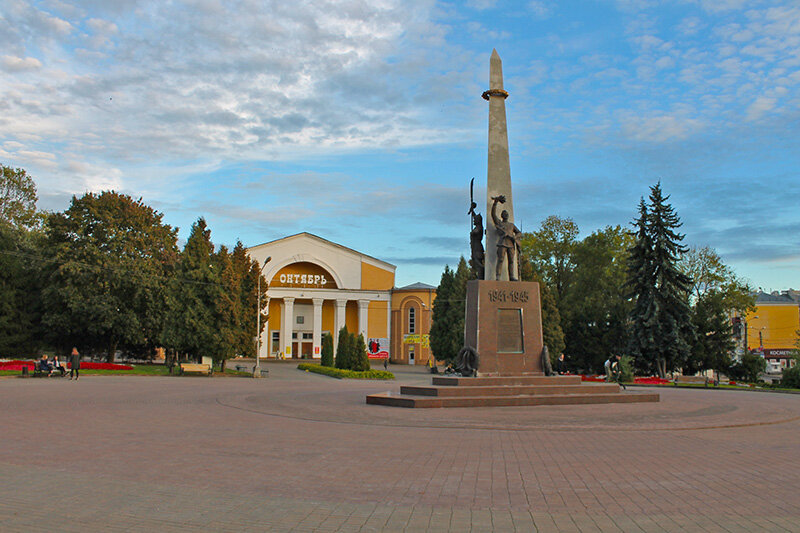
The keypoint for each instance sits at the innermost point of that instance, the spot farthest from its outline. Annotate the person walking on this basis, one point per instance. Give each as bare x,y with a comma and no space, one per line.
75,363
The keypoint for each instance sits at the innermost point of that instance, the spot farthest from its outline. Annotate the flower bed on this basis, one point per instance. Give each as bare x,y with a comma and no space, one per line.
17,365
651,381
599,378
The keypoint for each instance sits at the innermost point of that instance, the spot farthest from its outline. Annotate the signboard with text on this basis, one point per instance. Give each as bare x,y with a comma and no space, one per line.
378,348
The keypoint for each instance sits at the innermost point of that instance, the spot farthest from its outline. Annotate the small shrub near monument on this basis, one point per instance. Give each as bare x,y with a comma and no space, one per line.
326,358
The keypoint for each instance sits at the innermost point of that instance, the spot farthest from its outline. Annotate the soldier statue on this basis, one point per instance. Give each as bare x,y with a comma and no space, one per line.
508,243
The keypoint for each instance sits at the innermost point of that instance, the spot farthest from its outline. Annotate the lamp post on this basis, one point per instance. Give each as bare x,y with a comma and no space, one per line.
257,367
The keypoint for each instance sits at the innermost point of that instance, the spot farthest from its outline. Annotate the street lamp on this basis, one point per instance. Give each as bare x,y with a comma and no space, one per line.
257,367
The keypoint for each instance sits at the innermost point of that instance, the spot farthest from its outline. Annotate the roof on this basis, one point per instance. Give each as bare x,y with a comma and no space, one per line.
785,297
418,286
306,234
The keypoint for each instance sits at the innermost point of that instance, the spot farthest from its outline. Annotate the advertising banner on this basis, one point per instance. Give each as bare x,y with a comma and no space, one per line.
378,348
414,338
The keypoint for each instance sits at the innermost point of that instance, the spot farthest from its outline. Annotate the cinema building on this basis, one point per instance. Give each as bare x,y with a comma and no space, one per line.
317,286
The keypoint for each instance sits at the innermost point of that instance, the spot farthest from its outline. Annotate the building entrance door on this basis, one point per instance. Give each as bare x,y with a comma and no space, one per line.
411,355
294,351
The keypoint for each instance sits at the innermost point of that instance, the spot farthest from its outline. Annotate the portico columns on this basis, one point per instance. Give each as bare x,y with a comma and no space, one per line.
341,306
287,326
363,315
316,351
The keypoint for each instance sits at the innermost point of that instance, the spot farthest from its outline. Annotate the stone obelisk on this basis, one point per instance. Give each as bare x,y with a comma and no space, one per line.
498,177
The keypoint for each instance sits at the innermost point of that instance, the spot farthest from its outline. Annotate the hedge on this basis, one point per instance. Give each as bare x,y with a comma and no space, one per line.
339,373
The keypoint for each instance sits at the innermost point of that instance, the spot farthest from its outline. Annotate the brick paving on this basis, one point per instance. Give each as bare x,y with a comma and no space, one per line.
302,452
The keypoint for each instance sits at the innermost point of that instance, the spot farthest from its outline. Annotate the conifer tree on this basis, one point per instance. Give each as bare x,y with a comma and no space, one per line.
343,349
326,359
552,334
227,306
661,327
360,356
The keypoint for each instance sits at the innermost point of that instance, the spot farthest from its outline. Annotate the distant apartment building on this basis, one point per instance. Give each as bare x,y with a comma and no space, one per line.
772,329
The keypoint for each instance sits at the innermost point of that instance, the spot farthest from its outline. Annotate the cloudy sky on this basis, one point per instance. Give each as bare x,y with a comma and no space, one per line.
362,121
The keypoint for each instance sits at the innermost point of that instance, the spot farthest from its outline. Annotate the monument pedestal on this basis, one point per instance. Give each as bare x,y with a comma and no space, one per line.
504,324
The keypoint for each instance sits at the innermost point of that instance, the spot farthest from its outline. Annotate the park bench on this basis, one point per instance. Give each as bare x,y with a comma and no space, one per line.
241,368
695,380
39,373
195,368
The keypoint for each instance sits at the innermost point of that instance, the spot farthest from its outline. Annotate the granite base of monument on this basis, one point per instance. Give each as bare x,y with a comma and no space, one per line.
504,324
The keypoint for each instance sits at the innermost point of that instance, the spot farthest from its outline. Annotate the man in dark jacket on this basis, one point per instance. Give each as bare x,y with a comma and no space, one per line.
75,363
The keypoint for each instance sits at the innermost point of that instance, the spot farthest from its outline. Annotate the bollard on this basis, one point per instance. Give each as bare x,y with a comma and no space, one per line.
24,371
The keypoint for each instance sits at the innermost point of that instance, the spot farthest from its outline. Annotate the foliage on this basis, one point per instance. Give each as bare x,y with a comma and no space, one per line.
594,308
447,323
626,369
247,271
749,368
108,279
713,341
340,373
18,199
661,330
550,251
710,275
360,357
791,374
326,358
344,348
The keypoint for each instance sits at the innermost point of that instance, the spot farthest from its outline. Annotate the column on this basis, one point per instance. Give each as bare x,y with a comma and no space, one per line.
287,326
389,325
317,350
363,317
341,305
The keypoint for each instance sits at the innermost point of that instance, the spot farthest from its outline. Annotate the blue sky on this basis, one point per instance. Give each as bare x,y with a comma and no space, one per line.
362,122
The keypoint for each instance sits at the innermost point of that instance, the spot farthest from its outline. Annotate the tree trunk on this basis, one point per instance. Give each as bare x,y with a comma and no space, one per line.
112,351
222,366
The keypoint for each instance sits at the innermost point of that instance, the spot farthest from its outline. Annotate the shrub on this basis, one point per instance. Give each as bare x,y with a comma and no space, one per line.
791,375
360,358
626,368
340,374
749,368
343,349
326,358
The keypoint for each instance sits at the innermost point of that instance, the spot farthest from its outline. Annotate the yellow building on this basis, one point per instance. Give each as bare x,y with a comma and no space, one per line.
772,328
412,308
316,287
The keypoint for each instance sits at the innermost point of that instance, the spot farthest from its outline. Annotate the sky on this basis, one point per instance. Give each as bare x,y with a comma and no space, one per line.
362,121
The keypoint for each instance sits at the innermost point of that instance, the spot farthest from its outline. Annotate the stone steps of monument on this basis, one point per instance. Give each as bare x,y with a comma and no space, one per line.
457,381
397,400
510,390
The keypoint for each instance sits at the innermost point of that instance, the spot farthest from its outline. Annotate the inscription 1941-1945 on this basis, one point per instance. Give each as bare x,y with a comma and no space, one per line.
501,295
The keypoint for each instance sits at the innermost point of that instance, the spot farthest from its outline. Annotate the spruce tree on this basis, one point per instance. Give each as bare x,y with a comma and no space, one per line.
326,358
440,332
661,327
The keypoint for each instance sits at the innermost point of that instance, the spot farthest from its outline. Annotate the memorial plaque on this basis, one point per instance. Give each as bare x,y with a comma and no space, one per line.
509,331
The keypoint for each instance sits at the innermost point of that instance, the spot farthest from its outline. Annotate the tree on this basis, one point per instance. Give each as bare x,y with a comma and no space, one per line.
227,313
360,360
595,308
550,250
107,282
194,291
790,377
447,323
326,358
661,330
749,368
710,274
247,271
343,350
18,199
713,340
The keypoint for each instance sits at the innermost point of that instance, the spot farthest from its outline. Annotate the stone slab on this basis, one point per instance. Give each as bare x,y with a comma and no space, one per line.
510,390
395,400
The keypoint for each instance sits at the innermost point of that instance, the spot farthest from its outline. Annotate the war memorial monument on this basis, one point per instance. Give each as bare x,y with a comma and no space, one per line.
504,360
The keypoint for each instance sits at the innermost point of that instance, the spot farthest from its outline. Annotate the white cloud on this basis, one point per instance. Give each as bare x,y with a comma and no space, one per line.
19,64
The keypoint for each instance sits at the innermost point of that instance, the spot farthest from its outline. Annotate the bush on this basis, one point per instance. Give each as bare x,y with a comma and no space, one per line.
340,374
749,368
791,375
327,350
343,349
360,358
626,369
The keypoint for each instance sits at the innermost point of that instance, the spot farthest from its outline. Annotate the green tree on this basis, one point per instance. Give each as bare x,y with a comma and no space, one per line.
550,251
107,281
247,271
790,377
343,350
595,308
749,368
18,199
709,274
713,342
447,322
326,358
227,314
194,291
360,355
661,330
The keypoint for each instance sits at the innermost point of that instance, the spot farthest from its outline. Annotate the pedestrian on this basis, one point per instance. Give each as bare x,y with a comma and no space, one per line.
386,363
75,363
562,365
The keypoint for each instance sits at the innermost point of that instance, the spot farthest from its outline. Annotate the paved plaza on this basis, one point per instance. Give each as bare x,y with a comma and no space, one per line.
303,452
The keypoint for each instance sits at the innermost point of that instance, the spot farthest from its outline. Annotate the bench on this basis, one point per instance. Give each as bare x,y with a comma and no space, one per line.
195,368
241,368
39,373
694,380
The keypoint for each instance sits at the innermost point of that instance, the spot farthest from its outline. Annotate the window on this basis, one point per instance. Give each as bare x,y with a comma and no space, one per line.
308,336
412,319
301,319
276,341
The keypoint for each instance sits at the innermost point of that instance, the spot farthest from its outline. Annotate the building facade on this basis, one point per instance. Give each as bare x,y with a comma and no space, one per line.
412,309
772,329
316,287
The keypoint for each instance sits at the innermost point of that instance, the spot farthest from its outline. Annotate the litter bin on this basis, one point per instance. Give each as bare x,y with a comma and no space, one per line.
25,371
